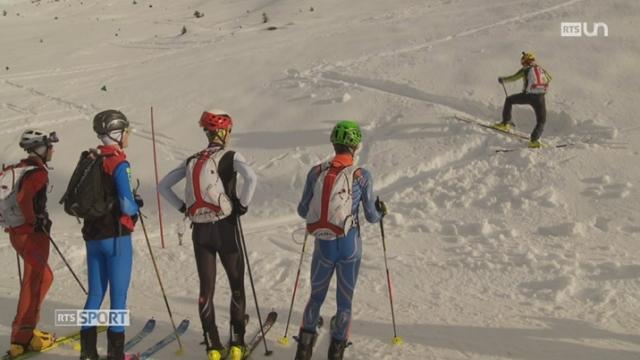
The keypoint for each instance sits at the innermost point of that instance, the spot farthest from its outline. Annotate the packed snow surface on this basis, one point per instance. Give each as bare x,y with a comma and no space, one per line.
528,254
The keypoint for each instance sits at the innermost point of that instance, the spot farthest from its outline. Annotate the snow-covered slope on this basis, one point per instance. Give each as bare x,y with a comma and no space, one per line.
518,255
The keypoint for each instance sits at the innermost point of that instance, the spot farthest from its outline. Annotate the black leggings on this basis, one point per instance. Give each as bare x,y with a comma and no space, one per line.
539,107
220,238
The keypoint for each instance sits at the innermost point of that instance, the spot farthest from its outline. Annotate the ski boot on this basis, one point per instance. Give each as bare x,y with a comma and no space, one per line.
336,349
506,127
115,345
237,352
16,350
215,350
535,144
88,339
306,342
214,354
40,340
238,348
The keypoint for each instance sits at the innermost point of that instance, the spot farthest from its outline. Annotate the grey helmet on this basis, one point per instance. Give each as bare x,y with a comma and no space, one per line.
109,120
32,139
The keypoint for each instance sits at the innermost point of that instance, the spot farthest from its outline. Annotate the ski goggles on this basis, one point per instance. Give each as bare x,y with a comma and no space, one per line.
50,139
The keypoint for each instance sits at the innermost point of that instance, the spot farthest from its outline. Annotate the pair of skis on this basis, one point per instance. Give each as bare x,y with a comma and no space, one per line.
148,328
181,329
143,333
514,134
68,339
155,348
257,337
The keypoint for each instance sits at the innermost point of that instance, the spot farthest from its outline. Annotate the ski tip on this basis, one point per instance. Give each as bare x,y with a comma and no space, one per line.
397,340
284,341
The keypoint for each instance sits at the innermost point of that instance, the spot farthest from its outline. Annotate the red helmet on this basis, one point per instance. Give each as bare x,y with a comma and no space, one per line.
216,120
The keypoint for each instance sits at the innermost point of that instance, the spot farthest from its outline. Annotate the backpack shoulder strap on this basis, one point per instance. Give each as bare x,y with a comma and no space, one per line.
193,157
324,166
226,161
29,169
202,153
225,165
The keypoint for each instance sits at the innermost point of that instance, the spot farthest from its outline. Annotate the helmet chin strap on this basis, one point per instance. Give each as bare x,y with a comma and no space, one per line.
117,141
353,150
43,158
213,136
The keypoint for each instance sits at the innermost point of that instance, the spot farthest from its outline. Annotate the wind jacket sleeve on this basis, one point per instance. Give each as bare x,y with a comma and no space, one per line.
168,181
307,194
250,179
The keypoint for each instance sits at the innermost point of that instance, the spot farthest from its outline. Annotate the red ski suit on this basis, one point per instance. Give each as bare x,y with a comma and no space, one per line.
33,247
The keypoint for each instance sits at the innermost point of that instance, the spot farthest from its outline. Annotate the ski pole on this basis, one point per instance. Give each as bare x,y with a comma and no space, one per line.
19,268
155,165
164,294
285,340
267,352
505,89
397,340
66,263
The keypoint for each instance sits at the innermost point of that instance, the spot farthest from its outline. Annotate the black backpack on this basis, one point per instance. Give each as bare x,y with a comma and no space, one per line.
91,192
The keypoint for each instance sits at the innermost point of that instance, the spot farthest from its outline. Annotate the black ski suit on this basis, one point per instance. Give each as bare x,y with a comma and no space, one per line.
536,101
221,238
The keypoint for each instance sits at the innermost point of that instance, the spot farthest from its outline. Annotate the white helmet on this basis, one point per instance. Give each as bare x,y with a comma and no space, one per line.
32,139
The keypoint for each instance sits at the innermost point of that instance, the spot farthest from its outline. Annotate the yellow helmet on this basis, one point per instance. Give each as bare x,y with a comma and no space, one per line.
527,58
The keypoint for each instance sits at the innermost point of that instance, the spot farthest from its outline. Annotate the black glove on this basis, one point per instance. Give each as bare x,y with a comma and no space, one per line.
500,80
239,208
381,207
183,208
43,224
138,199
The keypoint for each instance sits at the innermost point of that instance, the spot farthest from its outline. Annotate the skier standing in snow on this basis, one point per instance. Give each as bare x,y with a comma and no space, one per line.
213,206
108,237
27,221
330,203
536,81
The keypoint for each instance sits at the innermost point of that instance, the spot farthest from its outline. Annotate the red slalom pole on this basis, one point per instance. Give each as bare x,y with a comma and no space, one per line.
155,165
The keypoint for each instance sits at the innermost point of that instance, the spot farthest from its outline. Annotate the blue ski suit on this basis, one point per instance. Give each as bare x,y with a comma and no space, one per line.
342,254
109,259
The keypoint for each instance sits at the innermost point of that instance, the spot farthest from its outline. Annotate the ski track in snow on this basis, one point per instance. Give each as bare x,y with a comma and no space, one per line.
428,44
166,143
87,110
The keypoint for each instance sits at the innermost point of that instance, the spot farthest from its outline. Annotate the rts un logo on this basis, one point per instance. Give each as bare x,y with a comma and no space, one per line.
579,29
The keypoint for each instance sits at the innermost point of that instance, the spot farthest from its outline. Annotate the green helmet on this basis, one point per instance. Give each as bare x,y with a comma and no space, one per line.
346,132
